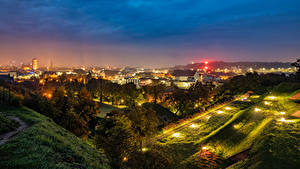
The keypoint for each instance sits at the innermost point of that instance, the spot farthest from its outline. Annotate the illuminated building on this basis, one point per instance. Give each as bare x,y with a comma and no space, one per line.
34,64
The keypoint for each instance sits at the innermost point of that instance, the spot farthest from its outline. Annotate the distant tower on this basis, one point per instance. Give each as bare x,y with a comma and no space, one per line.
34,64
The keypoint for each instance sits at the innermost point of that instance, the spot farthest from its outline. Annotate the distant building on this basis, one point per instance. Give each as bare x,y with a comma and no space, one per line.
6,78
26,67
133,80
10,74
183,84
34,64
186,75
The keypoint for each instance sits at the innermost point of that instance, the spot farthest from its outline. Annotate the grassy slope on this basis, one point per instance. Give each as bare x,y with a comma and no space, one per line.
7,125
106,108
191,139
46,145
241,133
228,136
278,146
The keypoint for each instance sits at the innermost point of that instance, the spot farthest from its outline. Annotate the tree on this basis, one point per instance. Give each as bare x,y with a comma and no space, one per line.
115,136
144,123
130,94
86,108
155,90
297,66
200,93
181,101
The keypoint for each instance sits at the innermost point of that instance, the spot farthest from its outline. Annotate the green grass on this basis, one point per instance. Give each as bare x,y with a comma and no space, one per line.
188,145
46,145
277,147
106,108
7,125
227,134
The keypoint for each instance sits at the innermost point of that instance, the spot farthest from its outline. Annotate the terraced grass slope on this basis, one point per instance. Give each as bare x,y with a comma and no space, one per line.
46,145
221,134
188,142
278,146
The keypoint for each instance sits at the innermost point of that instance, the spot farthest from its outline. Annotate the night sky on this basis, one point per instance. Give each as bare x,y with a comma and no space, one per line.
148,33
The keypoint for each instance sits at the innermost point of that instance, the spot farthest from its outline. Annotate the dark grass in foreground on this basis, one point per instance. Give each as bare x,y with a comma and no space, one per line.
46,145
7,125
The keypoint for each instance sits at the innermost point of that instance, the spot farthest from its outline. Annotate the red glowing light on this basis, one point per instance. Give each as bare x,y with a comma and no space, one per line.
205,67
206,62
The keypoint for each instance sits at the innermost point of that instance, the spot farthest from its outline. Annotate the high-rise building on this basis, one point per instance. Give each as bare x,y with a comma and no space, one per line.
34,64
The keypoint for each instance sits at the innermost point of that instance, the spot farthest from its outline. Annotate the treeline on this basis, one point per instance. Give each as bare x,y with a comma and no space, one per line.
76,113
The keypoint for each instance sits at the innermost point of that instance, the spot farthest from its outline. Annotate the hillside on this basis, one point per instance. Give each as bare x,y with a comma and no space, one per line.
44,144
261,130
278,146
163,114
7,124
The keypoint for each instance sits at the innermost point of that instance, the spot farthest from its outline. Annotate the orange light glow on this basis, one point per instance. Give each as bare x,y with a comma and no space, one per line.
124,159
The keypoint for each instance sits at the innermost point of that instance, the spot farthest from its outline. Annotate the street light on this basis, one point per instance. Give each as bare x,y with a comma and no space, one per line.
282,113
193,126
220,112
176,135
257,109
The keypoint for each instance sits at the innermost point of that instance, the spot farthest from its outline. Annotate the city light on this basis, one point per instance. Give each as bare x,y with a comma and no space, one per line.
208,117
228,108
204,148
206,62
124,159
267,103
47,95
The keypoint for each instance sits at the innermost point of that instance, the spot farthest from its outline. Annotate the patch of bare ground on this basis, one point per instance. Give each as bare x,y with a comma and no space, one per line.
7,136
297,114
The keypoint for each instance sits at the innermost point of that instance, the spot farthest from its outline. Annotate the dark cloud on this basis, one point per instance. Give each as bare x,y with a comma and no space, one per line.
156,24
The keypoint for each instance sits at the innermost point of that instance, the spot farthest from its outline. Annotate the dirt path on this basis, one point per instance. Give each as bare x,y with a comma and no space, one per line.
7,136
295,97
297,114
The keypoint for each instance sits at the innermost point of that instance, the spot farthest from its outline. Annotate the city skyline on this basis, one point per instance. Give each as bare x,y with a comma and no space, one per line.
148,33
